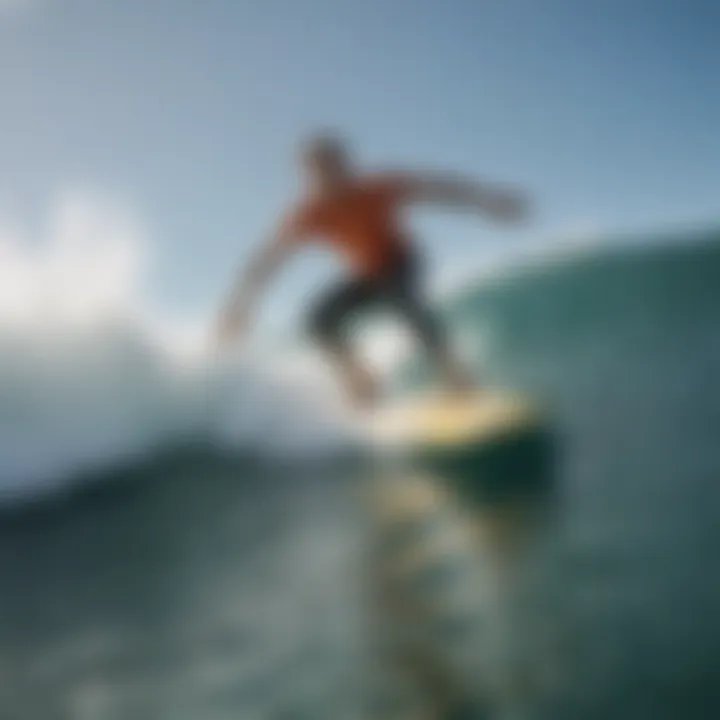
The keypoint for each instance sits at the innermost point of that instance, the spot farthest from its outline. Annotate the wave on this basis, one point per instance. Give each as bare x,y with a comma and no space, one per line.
83,395
581,299
90,396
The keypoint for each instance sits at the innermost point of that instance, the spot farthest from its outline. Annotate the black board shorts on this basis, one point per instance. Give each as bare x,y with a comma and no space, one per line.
399,290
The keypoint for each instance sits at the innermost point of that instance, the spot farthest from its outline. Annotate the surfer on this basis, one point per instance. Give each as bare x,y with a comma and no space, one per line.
359,215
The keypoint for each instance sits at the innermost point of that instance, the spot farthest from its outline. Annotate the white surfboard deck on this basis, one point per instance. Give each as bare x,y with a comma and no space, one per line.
444,420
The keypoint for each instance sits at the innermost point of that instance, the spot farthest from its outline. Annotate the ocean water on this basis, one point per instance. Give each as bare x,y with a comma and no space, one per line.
148,576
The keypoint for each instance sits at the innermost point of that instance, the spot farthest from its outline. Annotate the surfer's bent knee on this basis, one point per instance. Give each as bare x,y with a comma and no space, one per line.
429,328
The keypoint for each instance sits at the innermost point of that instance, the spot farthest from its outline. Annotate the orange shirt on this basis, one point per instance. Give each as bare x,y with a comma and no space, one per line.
361,220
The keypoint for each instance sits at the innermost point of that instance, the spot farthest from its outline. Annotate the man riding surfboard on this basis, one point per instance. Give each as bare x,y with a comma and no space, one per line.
359,215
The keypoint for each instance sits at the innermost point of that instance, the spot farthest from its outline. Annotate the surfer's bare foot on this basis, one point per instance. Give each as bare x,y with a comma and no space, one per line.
364,393
458,380
462,390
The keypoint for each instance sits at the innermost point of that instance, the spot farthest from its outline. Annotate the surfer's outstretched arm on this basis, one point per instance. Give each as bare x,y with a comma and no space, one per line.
496,202
249,284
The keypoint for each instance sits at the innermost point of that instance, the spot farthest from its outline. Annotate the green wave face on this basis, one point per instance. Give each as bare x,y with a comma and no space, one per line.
533,325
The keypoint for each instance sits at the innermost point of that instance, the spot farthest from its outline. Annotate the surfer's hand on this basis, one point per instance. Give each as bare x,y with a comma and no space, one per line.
506,206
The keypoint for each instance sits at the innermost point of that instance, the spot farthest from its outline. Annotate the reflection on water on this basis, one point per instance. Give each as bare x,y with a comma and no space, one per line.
455,596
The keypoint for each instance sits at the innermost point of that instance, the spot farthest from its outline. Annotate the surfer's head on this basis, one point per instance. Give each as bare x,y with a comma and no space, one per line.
326,161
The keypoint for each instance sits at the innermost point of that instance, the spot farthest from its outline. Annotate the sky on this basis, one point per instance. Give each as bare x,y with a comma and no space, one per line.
183,115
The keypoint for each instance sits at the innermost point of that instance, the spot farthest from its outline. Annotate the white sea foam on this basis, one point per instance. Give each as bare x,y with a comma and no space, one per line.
90,374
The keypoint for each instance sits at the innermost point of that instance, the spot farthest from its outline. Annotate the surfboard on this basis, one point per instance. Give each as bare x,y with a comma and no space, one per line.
486,439
452,420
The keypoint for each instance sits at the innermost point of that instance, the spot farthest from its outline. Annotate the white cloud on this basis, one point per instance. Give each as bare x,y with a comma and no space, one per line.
89,263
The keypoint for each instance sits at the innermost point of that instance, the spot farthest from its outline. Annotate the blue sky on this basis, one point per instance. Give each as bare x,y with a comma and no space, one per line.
606,111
